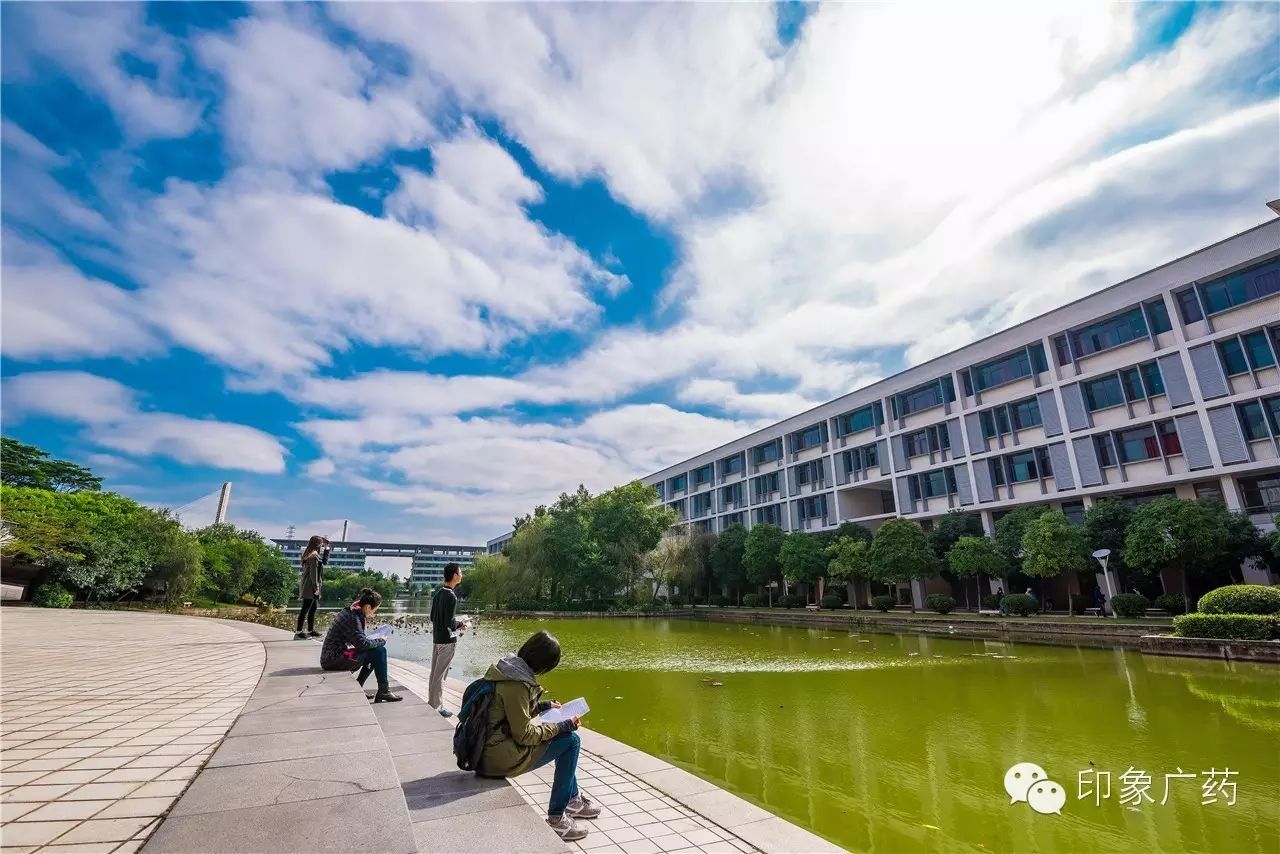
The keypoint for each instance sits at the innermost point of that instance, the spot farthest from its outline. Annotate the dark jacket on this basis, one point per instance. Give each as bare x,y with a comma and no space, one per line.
346,630
312,575
515,740
444,602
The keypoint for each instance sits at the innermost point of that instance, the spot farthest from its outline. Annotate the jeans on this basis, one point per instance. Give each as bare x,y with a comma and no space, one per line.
564,750
375,657
307,612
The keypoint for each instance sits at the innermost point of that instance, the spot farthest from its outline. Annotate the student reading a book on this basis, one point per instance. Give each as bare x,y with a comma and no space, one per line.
346,647
518,742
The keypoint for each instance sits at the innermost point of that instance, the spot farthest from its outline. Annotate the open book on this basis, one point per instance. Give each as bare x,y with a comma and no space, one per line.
572,709
383,632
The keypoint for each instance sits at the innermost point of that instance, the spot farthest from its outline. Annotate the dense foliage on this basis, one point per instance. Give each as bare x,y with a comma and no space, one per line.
941,602
1130,604
1019,603
1228,626
1241,599
26,465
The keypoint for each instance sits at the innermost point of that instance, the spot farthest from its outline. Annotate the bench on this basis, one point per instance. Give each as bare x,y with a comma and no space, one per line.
1093,612
989,612
811,607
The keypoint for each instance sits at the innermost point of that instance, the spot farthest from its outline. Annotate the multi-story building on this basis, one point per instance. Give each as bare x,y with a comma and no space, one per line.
498,543
1164,384
428,560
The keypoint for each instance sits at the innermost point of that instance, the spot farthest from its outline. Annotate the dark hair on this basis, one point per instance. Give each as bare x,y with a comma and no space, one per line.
451,571
541,652
313,545
369,596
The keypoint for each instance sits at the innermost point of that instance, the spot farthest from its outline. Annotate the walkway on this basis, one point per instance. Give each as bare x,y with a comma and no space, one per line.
105,717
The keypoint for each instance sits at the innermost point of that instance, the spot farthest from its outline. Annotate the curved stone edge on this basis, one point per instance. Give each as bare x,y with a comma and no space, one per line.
752,824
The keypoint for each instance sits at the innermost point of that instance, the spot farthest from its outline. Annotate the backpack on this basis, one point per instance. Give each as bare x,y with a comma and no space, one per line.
472,731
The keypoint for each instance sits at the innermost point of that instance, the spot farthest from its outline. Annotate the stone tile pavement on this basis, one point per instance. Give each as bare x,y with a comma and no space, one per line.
648,804
105,718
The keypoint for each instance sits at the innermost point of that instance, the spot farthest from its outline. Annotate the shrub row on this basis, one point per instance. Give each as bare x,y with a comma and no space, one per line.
52,595
941,602
832,601
882,603
1228,626
1241,599
1171,603
1019,603
1130,604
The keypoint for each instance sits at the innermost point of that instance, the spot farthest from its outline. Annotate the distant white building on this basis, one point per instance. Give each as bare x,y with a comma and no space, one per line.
428,560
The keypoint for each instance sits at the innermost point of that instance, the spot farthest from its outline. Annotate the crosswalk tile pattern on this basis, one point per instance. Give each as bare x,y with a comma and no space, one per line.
636,818
105,718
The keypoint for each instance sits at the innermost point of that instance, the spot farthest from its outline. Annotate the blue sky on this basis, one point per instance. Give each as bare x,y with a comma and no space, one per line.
424,266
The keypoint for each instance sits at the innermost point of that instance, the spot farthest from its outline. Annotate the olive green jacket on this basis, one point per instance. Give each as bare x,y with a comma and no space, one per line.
516,742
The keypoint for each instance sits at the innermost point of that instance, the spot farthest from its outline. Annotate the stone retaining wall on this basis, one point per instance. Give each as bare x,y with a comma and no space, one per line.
1234,650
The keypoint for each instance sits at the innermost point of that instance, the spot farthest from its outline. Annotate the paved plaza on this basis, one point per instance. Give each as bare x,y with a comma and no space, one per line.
106,717
124,731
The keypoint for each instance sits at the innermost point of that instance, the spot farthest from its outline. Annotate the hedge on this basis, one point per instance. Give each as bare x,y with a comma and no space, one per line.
752,600
1130,604
882,603
941,602
1241,599
1019,603
52,595
1228,626
1171,603
790,600
832,601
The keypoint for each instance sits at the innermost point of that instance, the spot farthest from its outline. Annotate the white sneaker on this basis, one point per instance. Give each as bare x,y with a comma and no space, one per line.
566,828
582,807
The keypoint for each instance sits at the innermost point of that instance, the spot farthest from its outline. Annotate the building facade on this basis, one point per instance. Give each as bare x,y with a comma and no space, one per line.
428,560
1164,384
498,543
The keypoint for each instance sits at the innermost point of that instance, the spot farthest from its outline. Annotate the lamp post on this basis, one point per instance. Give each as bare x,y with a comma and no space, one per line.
1103,556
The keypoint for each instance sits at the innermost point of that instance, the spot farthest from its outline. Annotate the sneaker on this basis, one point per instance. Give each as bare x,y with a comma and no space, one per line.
444,713
300,636
582,807
313,634
566,828
384,695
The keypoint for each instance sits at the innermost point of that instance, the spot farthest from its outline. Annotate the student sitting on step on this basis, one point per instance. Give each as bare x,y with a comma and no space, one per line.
518,743
346,647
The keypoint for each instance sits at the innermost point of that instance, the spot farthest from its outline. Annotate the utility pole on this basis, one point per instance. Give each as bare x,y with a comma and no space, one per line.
224,500
288,534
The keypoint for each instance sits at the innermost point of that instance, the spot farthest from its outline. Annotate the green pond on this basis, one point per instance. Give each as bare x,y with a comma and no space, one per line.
900,742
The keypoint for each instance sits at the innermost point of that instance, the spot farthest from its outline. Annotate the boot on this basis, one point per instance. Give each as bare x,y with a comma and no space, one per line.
384,695
363,675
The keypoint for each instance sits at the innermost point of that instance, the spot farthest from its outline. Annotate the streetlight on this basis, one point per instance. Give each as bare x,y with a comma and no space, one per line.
1103,556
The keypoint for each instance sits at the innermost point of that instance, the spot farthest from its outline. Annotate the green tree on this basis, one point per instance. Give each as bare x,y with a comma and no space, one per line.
1009,530
530,555
760,555
231,558
496,580
624,524
1185,536
975,556
274,580
702,545
1051,545
1106,524
802,559
26,465
177,560
950,527
900,552
726,560
669,565
850,562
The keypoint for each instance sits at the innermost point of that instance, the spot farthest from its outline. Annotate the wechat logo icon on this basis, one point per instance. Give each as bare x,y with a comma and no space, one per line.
1027,781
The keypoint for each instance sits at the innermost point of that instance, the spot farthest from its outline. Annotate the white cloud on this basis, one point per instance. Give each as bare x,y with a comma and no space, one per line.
113,420
91,42
322,107
53,311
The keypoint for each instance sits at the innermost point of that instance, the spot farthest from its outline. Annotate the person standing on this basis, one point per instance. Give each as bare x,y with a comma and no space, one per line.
444,633
314,557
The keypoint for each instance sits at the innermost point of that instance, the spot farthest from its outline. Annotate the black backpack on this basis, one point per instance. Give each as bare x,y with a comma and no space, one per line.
472,732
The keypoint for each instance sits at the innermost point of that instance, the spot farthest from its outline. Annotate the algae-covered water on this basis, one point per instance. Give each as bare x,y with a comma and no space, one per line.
895,743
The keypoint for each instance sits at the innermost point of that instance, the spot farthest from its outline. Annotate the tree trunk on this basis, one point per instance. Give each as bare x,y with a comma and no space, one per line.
850,588
1186,600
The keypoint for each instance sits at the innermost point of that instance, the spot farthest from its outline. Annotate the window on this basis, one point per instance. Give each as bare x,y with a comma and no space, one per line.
702,475
924,397
1063,350
768,515
1272,405
1103,393
1006,369
767,452
1189,306
765,485
1112,332
1158,316
1261,494
1148,442
1026,413
997,471
809,473
1022,466
916,443
995,422
732,465
813,508
679,483
1074,510
681,508
860,419
861,459
1253,420
808,438
1142,381
661,487
937,483
732,494
1233,359
1258,350
702,504
1106,451
1241,288
1209,490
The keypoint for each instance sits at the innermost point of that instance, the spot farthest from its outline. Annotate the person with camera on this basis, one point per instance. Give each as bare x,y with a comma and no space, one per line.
314,557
